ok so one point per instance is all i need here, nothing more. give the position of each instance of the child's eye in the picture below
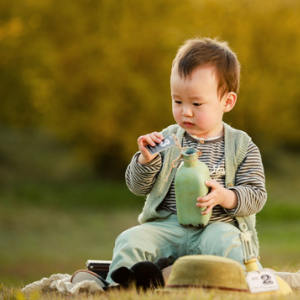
(197, 104)
(177, 102)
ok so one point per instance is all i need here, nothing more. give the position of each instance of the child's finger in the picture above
(156, 137)
(150, 139)
(208, 210)
(204, 201)
(205, 198)
(145, 140)
(211, 183)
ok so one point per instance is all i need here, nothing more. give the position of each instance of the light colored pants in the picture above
(167, 238)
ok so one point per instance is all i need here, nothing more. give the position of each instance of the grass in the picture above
(46, 231)
(54, 217)
(278, 223)
(190, 294)
(38, 239)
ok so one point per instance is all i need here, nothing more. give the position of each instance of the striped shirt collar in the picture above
(200, 140)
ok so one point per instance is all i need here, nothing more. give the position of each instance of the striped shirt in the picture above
(250, 181)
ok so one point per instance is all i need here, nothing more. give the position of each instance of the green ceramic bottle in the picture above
(189, 185)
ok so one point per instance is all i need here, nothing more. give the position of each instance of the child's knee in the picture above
(221, 239)
(130, 236)
(221, 229)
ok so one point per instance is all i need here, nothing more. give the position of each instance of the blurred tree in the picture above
(97, 72)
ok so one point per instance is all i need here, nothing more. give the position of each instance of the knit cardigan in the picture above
(236, 145)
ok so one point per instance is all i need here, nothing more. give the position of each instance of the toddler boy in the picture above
(204, 84)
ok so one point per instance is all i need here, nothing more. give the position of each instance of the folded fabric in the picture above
(292, 279)
(62, 283)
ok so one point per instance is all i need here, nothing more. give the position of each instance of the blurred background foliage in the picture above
(81, 80)
(95, 73)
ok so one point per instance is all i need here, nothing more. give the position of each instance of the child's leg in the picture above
(149, 241)
(222, 239)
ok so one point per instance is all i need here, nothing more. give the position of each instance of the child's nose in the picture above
(187, 111)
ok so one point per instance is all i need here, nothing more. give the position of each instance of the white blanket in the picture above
(292, 279)
(62, 284)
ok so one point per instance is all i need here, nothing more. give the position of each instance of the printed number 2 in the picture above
(266, 279)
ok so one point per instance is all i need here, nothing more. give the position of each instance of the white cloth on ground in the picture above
(62, 283)
(292, 279)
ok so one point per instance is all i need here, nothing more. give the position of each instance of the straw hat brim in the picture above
(205, 272)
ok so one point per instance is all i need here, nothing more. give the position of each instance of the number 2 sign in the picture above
(261, 281)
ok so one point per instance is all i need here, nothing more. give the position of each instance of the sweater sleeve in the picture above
(250, 184)
(141, 178)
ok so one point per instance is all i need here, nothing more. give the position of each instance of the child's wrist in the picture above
(231, 200)
(144, 161)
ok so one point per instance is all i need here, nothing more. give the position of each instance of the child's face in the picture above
(196, 106)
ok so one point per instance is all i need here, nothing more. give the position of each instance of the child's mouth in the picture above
(188, 124)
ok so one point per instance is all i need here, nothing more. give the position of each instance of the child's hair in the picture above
(198, 52)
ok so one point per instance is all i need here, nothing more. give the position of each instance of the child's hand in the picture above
(145, 140)
(217, 196)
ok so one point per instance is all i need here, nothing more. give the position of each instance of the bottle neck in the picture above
(190, 157)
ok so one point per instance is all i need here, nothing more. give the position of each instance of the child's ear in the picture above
(229, 101)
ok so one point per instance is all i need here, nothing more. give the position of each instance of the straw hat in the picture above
(207, 272)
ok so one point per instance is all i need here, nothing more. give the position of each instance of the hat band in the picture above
(206, 287)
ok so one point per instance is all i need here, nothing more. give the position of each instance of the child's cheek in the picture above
(177, 116)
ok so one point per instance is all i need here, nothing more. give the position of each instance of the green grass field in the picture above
(55, 226)
(58, 234)
(49, 229)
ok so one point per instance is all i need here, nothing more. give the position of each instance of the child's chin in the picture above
(191, 131)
